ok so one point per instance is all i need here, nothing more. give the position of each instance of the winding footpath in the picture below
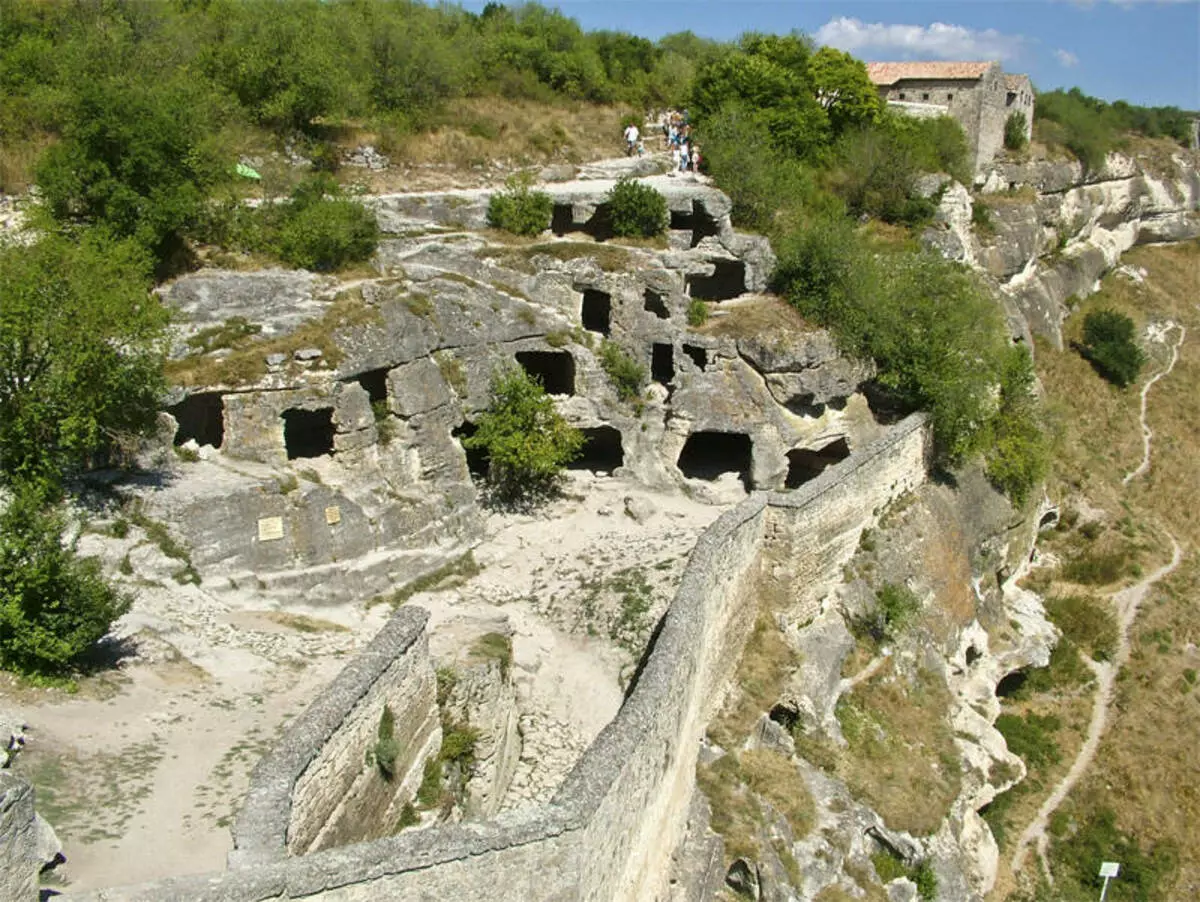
(1147, 434)
(1126, 602)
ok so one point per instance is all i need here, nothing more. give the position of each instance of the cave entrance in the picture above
(477, 458)
(554, 369)
(602, 450)
(662, 364)
(308, 433)
(727, 281)
(698, 354)
(804, 464)
(374, 383)
(1011, 684)
(597, 311)
(600, 224)
(703, 225)
(563, 219)
(201, 417)
(655, 303)
(707, 455)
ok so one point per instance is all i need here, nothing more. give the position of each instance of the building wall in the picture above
(981, 106)
(610, 831)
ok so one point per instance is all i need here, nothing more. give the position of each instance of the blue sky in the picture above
(1144, 51)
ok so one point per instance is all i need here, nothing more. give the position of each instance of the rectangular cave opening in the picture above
(698, 355)
(562, 220)
(600, 224)
(703, 225)
(662, 363)
(308, 433)
(597, 311)
(707, 455)
(653, 302)
(201, 417)
(805, 464)
(602, 450)
(477, 458)
(374, 383)
(683, 220)
(554, 369)
(728, 281)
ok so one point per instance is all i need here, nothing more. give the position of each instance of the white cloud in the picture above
(1066, 58)
(937, 41)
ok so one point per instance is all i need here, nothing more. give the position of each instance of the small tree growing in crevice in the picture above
(527, 441)
(636, 210)
(518, 208)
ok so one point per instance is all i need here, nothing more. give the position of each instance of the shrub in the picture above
(528, 443)
(408, 817)
(1109, 345)
(895, 607)
(1015, 127)
(981, 219)
(1088, 622)
(1145, 875)
(327, 233)
(626, 374)
(1031, 737)
(697, 313)
(518, 209)
(54, 606)
(636, 210)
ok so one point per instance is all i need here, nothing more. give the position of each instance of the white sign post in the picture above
(1108, 870)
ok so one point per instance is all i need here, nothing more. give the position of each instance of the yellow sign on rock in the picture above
(270, 529)
(333, 515)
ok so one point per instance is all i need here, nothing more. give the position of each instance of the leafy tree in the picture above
(1015, 127)
(528, 443)
(1109, 344)
(135, 158)
(843, 89)
(636, 210)
(54, 606)
(518, 208)
(81, 351)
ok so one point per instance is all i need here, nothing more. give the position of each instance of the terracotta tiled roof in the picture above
(890, 73)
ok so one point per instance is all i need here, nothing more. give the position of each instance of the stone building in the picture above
(981, 96)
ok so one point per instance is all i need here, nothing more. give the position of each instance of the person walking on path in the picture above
(631, 139)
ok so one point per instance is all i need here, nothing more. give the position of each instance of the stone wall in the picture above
(610, 831)
(318, 787)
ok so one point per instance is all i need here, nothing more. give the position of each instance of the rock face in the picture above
(27, 843)
(334, 468)
(1055, 230)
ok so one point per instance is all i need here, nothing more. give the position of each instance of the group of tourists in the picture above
(677, 136)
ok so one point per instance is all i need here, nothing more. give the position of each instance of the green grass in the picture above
(494, 647)
(449, 575)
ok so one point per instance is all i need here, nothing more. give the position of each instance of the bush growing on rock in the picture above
(1014, 131)
(54, 606)
(322, 230)
(527, 441)
(626, 374)
(1110, 346)
(636, 210)
(518, 208)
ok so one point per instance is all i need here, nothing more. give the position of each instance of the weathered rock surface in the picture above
(27, 843)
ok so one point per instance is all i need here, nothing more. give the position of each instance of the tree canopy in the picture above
(81, 351)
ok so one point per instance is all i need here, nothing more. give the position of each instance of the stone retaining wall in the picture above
(609, 833)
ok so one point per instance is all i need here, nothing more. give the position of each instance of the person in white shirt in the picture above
(631, 139)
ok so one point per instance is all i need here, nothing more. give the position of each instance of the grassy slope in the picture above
(1146, 768)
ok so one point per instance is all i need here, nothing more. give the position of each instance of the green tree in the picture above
(135, 157)
(843, 89)
(54, 606)
(1015, 127)
(81, 352)
(527, 441)
(636, 210)
(1109, 344)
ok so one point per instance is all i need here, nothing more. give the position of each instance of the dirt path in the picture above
(1147, 433)
(1126, 602)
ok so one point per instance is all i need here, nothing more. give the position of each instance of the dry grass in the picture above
(302, 623)
(1145, 768)
(473, 132)
(901, 758)
(765, 665)
(17, 159)
(765, 316)
(248, 362)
